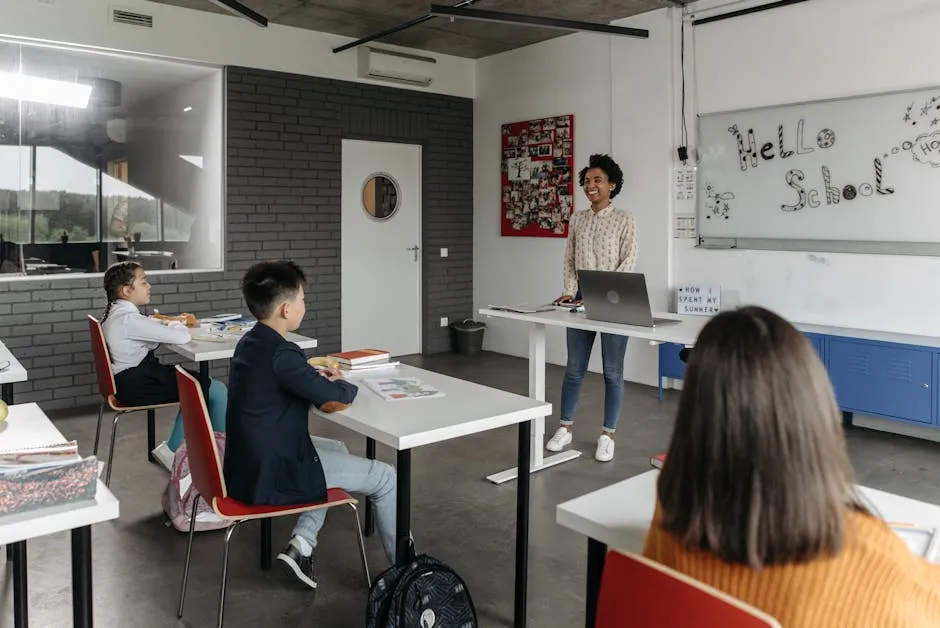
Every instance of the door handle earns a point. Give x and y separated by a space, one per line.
415 249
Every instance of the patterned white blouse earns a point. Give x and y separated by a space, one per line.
604 240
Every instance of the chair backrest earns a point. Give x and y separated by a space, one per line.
636 591
204 463
99 348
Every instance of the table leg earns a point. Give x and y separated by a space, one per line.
20 600
403 509
204 374
522 527
370 508
6 393
847 418
596 555
82 598
266 544
536 391
151 434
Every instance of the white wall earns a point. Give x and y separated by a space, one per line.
209 38
623 108
816 50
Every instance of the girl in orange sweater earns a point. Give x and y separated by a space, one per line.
756 497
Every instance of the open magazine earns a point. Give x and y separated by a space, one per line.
399 388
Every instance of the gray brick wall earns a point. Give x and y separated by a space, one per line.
283 200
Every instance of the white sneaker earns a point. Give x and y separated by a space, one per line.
561 438
164 456
605 449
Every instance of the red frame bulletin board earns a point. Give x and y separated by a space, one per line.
537 177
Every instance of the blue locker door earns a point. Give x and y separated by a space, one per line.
882 379
819 343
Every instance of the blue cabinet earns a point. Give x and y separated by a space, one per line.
819 343
669 363
882 379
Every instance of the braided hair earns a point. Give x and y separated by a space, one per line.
117 276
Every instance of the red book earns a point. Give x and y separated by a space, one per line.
657 461
360 356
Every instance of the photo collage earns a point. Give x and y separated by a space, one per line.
537 177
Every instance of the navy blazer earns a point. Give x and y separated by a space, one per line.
269 458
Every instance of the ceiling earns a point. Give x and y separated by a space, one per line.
462 38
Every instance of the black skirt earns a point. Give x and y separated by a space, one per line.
150 383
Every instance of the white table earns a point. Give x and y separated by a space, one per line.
28 426
466 408
204 351
684 333
10 375
620 515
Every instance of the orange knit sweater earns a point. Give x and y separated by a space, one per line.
875 582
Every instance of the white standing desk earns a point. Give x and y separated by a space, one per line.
11 374
619 516
684 333
466 408
28 426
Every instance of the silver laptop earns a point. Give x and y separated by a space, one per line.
613 297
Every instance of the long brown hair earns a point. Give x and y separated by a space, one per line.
757 471
117 276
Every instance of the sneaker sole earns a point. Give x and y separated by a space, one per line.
292 569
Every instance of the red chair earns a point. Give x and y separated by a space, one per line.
636 591
206 469
107 390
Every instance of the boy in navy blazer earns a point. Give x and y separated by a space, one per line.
270 457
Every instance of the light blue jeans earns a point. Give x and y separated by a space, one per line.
613 349
217 404
371 478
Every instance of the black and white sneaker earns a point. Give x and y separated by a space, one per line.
297 566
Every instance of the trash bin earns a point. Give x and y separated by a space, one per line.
467 336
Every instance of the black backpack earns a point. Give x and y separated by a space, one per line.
424 593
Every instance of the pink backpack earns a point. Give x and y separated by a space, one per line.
179 495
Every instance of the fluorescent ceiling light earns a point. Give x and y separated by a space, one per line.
195 160
187 109
43 90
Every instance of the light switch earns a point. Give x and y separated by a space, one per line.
444 252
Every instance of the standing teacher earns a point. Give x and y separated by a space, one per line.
601 238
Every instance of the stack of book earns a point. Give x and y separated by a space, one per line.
47 475
363 360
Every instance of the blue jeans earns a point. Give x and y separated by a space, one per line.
371 478
217 402
613 349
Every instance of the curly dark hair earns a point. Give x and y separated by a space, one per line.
610 168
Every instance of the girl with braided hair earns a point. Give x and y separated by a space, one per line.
139 376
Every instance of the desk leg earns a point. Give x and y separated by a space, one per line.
847 419
6 393
82 598
204 374
266 544
370 511
151 434
403 508
20 600
536 391
522 527
596 555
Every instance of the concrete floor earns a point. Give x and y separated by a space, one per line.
457 516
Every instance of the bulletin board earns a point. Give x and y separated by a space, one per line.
537 176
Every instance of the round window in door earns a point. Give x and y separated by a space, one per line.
380 196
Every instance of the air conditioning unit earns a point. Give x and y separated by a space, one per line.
399 67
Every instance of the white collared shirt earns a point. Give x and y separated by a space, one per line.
131 335
603 240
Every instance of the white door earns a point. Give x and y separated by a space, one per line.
381 239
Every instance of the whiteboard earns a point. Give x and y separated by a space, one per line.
862 170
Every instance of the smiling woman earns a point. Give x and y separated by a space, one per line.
106 158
